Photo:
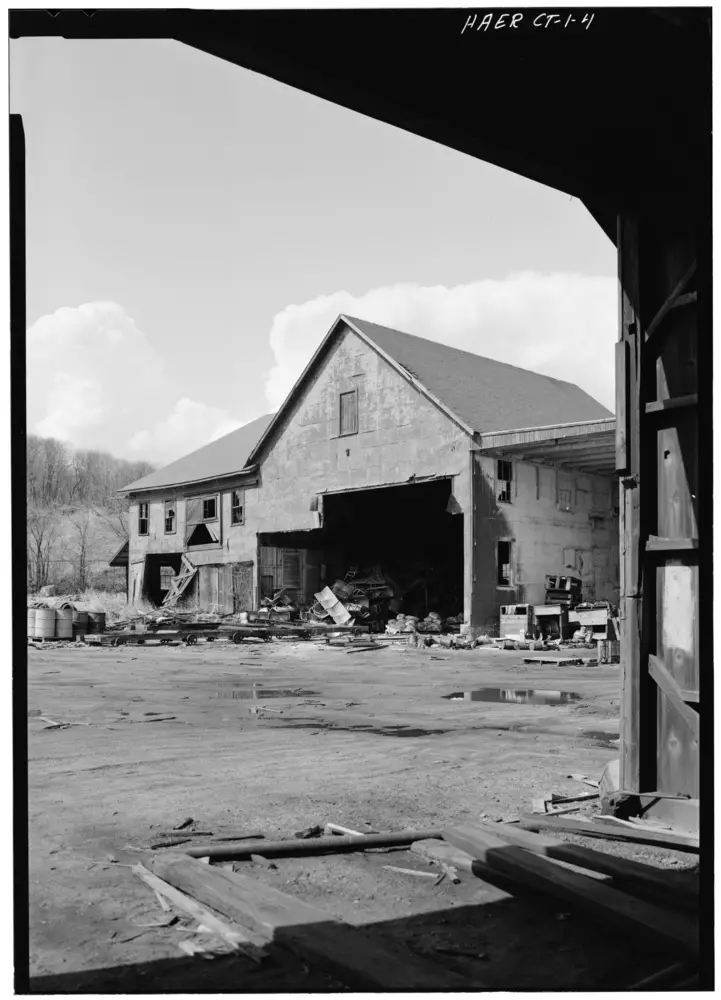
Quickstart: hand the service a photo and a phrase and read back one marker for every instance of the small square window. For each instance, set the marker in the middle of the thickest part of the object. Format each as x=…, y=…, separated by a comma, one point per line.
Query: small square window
x=210, y=508
x=349, y=412
x=503, y=564
x=504, y=481
x=169, y=517
x=143, y=520
x=237, y=507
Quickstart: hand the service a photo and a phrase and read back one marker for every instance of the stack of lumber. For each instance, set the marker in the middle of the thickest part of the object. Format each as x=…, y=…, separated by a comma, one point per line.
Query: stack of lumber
x=648, y=902
x=261, y=916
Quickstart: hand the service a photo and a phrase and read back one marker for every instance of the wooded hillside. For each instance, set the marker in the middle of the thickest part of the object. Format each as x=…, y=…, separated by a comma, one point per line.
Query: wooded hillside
x=75, y=521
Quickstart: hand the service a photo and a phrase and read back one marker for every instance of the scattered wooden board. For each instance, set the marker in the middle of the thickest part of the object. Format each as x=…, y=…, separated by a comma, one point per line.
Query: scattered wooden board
x=187, y=904
x=632, y=876
x=610, y=831
x=365, y=962
x=667, y=930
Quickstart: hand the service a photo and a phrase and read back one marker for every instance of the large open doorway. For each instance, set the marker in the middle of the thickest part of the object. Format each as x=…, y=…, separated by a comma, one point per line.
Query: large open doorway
x=410, y=536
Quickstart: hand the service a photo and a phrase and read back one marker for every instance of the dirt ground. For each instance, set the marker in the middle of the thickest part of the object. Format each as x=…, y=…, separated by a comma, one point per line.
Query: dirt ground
x=367, y=740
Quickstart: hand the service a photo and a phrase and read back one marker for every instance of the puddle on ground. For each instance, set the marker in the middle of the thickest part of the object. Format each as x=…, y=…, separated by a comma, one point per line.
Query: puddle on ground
x=608, y=740
x=509, y=696
x=397, y=731
x=263, y=693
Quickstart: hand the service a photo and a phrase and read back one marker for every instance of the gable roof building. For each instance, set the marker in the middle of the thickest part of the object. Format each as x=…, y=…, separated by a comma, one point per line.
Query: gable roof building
x=383, y=440
x=480, y=394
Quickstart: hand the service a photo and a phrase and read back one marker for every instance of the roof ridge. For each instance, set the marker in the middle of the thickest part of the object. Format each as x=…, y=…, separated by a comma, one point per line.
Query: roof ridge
x=457, y=350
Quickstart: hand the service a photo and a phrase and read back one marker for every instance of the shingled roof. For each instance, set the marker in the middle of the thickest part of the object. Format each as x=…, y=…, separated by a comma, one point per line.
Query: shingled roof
x=487, y=395
x=480, y=394
x=227, y=455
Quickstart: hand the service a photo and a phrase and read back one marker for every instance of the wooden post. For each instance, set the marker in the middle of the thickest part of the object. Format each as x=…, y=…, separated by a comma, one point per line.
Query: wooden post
x=627, y=415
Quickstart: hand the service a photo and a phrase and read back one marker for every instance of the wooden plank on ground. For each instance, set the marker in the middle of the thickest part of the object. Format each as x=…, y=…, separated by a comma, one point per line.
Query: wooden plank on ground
x=365, y=962
x=189, y=906
x=632, y=876
x=608, y=831
x=666, y=930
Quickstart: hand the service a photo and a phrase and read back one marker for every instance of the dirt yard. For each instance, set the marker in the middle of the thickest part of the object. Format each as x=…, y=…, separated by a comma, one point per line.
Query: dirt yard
x=368, y=740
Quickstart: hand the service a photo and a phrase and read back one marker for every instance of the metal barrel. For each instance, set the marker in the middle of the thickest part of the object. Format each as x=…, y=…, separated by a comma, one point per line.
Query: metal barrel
x=45, y=623
x=80, y=622
x=96, y=621
x=64, y=623
x=31, y=623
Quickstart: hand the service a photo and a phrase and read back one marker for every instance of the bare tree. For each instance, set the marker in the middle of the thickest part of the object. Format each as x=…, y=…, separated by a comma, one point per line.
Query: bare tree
x=81, y=546
x=42, y=535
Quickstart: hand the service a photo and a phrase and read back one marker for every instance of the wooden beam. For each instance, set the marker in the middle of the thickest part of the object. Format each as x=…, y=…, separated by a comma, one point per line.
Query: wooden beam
x=675, y=403
x=675, y=932
x=630, y=875
x=656, y=544
x=366, y=962
x=670, y=687
x=689, y=299
x=622, y=429
x=670, y=302
x=637, y=835
x=193, y=909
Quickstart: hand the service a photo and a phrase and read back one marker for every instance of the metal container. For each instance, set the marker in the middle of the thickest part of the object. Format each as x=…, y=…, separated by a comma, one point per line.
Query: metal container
x=516, y=619
x=31, y=623
x=80, y=622
x=96, y=621
x=45, y=623
x=64, y=623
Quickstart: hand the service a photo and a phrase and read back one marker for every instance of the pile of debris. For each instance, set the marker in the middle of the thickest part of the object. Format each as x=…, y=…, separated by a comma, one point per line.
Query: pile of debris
x=279, y=607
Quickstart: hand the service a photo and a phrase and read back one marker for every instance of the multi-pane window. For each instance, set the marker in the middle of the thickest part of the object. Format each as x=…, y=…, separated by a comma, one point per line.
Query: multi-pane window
x=237, y=507
x=504, y=481
x=169, y=517
x=349, y=412
x=503, y=564
x=210, y=508
x=565, y=493
x=167, y=574
x=142, y=519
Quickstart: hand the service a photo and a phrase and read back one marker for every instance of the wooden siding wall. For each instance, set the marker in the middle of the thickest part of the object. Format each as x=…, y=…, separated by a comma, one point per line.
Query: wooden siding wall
x=658, y=461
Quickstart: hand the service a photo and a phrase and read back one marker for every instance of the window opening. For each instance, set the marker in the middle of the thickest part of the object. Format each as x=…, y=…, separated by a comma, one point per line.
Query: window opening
x=237, y=507
x=210, y=508
x=503, y=556
x=349, y=412
x=169, y=517
x=504, y=481
x=202, y=535
x=167, y=573
x=142, y=519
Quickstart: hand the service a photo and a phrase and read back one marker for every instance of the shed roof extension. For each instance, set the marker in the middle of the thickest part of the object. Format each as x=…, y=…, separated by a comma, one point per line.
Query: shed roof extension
x=480, y=394
x=225, y=457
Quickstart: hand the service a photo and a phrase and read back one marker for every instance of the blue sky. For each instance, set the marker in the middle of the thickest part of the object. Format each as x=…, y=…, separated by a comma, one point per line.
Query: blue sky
x=211, y=223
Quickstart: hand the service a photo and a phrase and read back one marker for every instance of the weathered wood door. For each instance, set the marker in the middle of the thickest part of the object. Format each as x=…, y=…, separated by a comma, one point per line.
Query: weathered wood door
x=242, y=580
x=657, y=459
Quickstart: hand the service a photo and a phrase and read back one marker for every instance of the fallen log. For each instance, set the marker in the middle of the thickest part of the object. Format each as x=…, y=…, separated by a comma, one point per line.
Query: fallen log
x=317, y=845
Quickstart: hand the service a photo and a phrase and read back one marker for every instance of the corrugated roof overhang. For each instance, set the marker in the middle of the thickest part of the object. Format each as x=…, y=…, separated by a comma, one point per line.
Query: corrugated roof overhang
x=588, y=446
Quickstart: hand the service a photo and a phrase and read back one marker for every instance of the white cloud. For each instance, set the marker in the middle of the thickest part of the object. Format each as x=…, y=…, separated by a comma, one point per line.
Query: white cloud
x=96, y=381
x=188, y=421
x=562, y=325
